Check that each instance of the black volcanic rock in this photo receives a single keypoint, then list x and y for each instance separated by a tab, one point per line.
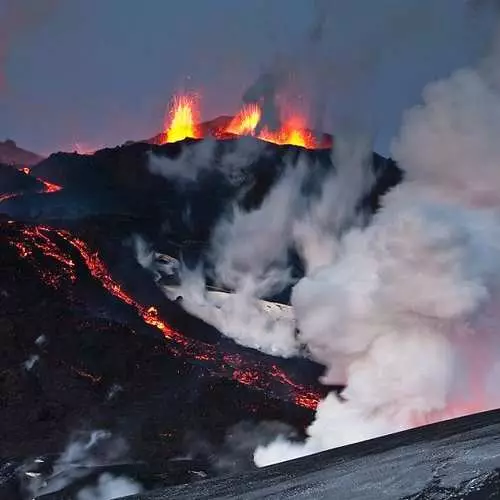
120	178
74	358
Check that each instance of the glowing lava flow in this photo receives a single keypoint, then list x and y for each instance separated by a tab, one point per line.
256	374
48	187
183	120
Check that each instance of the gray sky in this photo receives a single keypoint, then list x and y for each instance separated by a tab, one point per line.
99	72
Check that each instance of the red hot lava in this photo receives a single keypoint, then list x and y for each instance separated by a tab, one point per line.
256	374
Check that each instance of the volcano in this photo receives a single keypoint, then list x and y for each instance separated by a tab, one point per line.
91	342
93	347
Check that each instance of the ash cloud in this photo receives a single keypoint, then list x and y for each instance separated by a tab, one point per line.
406	315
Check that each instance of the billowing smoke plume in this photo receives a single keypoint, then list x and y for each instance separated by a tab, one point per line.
249	251
252	270
263	265
406	316
317	231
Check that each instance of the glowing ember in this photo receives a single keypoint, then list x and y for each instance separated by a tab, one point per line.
251	373
183	120
25	170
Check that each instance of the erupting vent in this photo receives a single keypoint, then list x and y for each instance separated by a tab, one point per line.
183	122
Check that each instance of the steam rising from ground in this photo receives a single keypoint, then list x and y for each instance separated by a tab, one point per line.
201	158
403	311
85	453
405	316
249	251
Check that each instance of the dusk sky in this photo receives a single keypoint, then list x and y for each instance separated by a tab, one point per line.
99	72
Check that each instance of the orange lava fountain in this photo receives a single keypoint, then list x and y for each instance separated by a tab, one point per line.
246	121
293	130
183	120
183	123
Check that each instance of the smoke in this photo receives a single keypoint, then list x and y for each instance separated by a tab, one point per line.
268	228
253	271
249	250
406	316
317	232
85	452
343	65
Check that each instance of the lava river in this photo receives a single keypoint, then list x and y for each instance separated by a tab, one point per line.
266	376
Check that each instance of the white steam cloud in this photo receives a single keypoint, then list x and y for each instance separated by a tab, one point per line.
252	270
109	487
83	454
249	248
202	157
406	315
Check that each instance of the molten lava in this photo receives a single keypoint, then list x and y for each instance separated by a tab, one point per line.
183	119
257	374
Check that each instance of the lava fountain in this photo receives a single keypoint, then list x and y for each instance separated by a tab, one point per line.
182	120
183	123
